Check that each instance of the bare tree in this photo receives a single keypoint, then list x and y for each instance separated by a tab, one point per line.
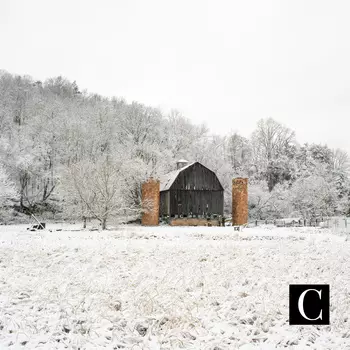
340	160
270	139
7	188
315	196
95	189
238	150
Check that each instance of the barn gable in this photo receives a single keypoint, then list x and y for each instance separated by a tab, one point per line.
191	190
193	176
197	177
168	179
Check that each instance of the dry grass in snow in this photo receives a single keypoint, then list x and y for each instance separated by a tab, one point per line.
168	288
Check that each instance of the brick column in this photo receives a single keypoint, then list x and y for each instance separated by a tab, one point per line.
150	202
239	201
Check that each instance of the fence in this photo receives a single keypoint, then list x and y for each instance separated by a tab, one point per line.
339	224
288	222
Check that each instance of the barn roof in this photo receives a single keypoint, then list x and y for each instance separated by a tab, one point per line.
168	179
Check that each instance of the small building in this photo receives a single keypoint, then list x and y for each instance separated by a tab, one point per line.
192	190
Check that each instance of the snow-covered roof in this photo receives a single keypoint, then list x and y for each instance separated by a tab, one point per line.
168	179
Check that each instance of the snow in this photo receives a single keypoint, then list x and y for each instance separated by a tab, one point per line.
168	287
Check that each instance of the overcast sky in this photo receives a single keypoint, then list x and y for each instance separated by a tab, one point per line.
225	63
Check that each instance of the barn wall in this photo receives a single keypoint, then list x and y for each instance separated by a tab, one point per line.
196	201
164	203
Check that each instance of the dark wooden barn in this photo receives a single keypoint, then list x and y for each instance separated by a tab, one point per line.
191	191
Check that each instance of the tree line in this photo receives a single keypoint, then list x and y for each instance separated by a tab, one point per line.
78	155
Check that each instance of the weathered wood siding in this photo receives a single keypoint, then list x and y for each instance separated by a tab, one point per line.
196	190
197	177
164	203
198	202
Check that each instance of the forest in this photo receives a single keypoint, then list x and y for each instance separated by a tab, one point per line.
70	154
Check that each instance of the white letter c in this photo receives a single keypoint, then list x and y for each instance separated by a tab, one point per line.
301	305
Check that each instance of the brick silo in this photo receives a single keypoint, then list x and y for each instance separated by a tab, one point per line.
150	202
239	201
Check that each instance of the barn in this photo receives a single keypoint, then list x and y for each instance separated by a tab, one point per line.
192	190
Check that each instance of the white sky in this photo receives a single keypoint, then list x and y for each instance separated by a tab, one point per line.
225	63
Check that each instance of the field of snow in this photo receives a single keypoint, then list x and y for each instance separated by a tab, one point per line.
168	288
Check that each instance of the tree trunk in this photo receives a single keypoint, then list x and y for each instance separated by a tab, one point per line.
23	186
104	223
84	221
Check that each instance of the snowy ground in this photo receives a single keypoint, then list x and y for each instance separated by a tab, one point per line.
167	288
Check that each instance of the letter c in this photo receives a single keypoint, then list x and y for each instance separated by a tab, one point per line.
301	305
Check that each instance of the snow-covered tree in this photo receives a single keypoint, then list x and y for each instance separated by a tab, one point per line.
94	189
265	204
238	151
340	160
8	189
270	141
315	196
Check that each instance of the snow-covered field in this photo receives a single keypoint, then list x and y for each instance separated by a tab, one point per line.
168	288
